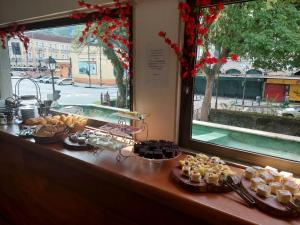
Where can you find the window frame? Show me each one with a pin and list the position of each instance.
(67, 21)
(234, 155)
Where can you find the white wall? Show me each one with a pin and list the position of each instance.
(5, 79)
(155, 96)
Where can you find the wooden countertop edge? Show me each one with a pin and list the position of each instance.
(144, 189)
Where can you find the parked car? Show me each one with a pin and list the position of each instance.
(49, 80)
(17, 73)
(37, 79)
(291, 112)
(65, 81)
(43, 79)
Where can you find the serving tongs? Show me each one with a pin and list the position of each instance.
(228, 180)
(294, 206)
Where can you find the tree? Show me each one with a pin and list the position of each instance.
(265, 32)
(111, 52)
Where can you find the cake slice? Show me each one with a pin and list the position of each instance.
(255, 182)
(284, 196)
(186, 170)
(268, 178)
(286, 175)
(269, 169)
(297, 196)
(250, 172)
(195, 176)
(263, 190)
(212, 178)
(277, 176)
(259, 169)
(291, 186)
(275, 186)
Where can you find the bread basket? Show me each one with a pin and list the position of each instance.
(57, 137)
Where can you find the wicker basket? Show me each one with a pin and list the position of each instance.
(58, 137)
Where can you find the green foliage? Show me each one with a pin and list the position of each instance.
(110, 53)
(264, 31)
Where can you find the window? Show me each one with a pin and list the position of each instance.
(101, 87)
(248, 110)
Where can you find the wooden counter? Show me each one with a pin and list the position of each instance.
(47, 184)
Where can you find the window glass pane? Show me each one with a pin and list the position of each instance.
(96, 87)
(252, 104)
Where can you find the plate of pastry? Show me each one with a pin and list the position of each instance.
(201, 173)
(79, 141)
(73, 122)
(47, 134)
(277, 193)
(156, 150)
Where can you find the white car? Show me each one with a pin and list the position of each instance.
(291, 112)
(65, 81)
(43, 79)
(49, 80)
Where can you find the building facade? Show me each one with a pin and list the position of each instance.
(84, 65)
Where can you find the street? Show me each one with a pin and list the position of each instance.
(77, 94)
(235, 104)
(81, 94)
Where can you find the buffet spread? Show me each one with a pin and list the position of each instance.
(276, 193)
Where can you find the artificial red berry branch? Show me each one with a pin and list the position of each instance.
(116, 18)
(198, 21)
(15, 31)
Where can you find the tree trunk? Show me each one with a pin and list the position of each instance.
(210, 75)
(206, 104)
(119, 74)
(121, 101)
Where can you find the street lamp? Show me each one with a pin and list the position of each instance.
(52, 67)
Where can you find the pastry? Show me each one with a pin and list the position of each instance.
(212, 178)
(189, 158)
(148, 154)
(158, 150)
(202, 170)
(277, 176)
(250, 172)
(202, 167)
(255, 182)
(202, 156)
(158, 154)
(182, 163)
(258, 169)
(81, 140)
(275, 186)
(297, 196)
(284, 196)
(142, 152)
(263, 190)
(195, 176)
(215, 160)
(269, 169)
(73, 138)
(291, 186)
(186, 170)
(268, 178)
(48, 130)
(286, 175)
(70, 120)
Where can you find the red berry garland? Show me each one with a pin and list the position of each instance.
(197, 26)
(14, 32)
(116, 16)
